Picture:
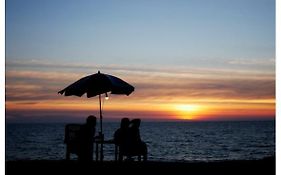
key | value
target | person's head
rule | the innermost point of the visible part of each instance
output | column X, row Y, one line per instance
column 125, row 123
column 136, row 123
column 91, row 120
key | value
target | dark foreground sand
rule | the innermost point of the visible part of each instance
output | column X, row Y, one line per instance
column 265, row 166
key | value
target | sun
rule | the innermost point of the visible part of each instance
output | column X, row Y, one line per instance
column 187, row 107
column 187, row 111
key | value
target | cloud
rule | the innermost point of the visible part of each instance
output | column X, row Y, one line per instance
column 215, row 89
column 82, row 68
column 31, row 91
column 253, row 62
column 151, row 84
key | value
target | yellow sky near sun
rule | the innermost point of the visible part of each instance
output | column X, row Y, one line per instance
column 191, row 111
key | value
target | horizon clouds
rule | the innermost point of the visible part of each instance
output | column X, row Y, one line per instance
column 35, row 86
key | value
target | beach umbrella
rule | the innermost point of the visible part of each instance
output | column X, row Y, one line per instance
column 98, row 84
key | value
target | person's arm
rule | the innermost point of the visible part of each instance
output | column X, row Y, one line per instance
column 138, row 136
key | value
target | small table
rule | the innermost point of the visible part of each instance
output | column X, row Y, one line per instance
column 98, row 142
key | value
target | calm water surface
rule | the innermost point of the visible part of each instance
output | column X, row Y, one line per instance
column 166, row 141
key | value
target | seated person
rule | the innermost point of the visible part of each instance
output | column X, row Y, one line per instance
column 86, row 139
column 136, row 145
column 129, row 141
column 121, row 137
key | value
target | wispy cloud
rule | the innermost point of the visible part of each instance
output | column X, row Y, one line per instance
column 254, row 62
column 156, row 89
column 46, row 65
column 158, row 83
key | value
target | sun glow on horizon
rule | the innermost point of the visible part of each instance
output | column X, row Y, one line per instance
column 188, row 111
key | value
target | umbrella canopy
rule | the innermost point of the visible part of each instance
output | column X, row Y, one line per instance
column 97, row 84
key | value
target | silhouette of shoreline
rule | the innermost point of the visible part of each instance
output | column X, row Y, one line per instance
column 263, row 166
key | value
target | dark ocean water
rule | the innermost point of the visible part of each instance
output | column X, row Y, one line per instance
column 166, row 141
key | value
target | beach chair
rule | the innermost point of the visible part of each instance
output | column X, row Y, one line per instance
column 71, row 139
column 140, row 152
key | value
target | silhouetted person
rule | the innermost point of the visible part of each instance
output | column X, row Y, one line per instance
column 137, row 146
column 86, row 139
column 121, row 137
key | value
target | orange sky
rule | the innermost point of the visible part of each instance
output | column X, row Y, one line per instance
column 191, row 94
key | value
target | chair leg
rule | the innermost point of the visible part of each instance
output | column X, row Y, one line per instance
column 139, row 158
column 116, row 153
column 67, row 155
column 145, row 157
column 120, row 157
column 97, row 151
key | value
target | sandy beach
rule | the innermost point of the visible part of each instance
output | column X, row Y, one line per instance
column 264, row 166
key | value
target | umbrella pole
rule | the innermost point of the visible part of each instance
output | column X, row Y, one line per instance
column 101, row 134
column 100, row 115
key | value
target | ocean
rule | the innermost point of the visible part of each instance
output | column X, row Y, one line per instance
column 166, row 141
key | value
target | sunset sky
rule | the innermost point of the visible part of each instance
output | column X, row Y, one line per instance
column 189, row 59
